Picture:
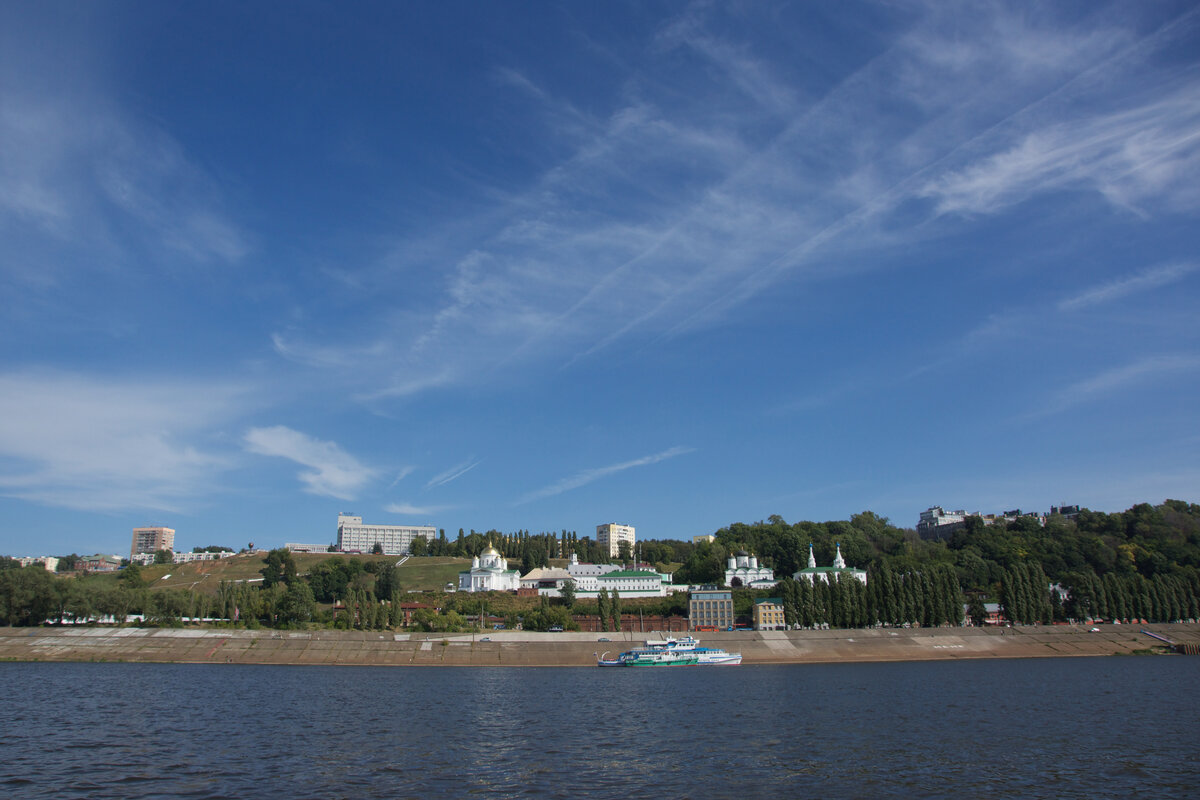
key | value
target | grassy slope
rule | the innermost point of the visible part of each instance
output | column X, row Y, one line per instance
column 205, row 576
column 427, row 574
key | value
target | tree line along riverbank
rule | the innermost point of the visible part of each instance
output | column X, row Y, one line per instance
column 1141, row 564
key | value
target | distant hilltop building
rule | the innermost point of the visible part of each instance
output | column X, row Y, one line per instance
column 146, row 559
column 49, row 563
column 152, row 539
column 937, row 523
column 98, row 563
column 813, row 573
column 937, row 520
column 355, row 537
column 610, row 536
column 743, row 571
column 300, row 547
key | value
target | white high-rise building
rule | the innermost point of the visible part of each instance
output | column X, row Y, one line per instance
column 611, row 534
column 354, row 536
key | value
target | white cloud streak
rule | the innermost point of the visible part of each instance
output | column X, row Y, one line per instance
column 401, row 475
column 1149, row 153
column 454, row 473
column 415, row 510
column 1150, row 369
column 1143, row 281
column 77, row 173
column 107, row 445
column 332, row 472
column 591, row 475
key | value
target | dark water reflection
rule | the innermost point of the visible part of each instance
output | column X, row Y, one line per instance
column 1101, row 727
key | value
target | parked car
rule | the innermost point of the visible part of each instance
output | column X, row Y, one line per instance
column 604, row 639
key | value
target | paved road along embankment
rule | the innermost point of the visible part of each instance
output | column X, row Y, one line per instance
column 216, row 646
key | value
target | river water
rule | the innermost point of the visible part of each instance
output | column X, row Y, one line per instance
column 1054, row 728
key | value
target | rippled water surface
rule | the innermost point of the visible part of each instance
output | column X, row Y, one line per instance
column 1097, row 727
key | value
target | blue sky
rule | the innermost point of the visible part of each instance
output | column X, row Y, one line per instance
column 544, row 266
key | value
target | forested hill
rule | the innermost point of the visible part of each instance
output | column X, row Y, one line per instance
column 1146, row 540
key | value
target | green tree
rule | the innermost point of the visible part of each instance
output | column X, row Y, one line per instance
column 280, row 567
column 163, row 557
column 132, row 577
column 976, row 611
column 28, row 596
column 568, row 592
column 297, row 605
column 604, row 609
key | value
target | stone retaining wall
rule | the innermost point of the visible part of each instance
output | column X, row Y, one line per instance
column 504, row 648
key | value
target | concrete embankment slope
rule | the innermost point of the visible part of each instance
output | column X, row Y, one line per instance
column 215, row 646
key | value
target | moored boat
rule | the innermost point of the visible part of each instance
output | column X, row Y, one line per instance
column 684, row 651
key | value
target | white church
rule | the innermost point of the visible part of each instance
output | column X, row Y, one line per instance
column 489, row 573
column 814, row 573
column 744, row 569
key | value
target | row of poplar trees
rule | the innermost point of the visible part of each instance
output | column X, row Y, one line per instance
column 609, row 609
column 930, row 596
column 1162, row 598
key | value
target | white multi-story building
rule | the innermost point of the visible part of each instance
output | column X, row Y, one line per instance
column 611, row 534
column 936, row 520
column 301, row 547
column 146, row 559
column 151, row 539
column 937, row 523
column 355, row 537
column 49, row 563
column 637, row 582
column 582, row 571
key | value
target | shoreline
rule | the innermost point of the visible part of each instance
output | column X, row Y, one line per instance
column 532, row 649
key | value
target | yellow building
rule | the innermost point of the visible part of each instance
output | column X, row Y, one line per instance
column 768, row 615
column 610, row 535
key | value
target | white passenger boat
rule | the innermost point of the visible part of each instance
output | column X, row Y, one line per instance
column 672, row 652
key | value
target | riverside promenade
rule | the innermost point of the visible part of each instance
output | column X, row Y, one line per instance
column 529, row 649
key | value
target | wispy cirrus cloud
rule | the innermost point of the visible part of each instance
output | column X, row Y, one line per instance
column 1130, row 154
column 589, row 476
column 661, row 213
column 332, row 471
column 454, row 473
column 1118, row 379
column 401, row 475
column 1143, row 281
column 415, row 510
column 77, row 173
column 103, row 444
